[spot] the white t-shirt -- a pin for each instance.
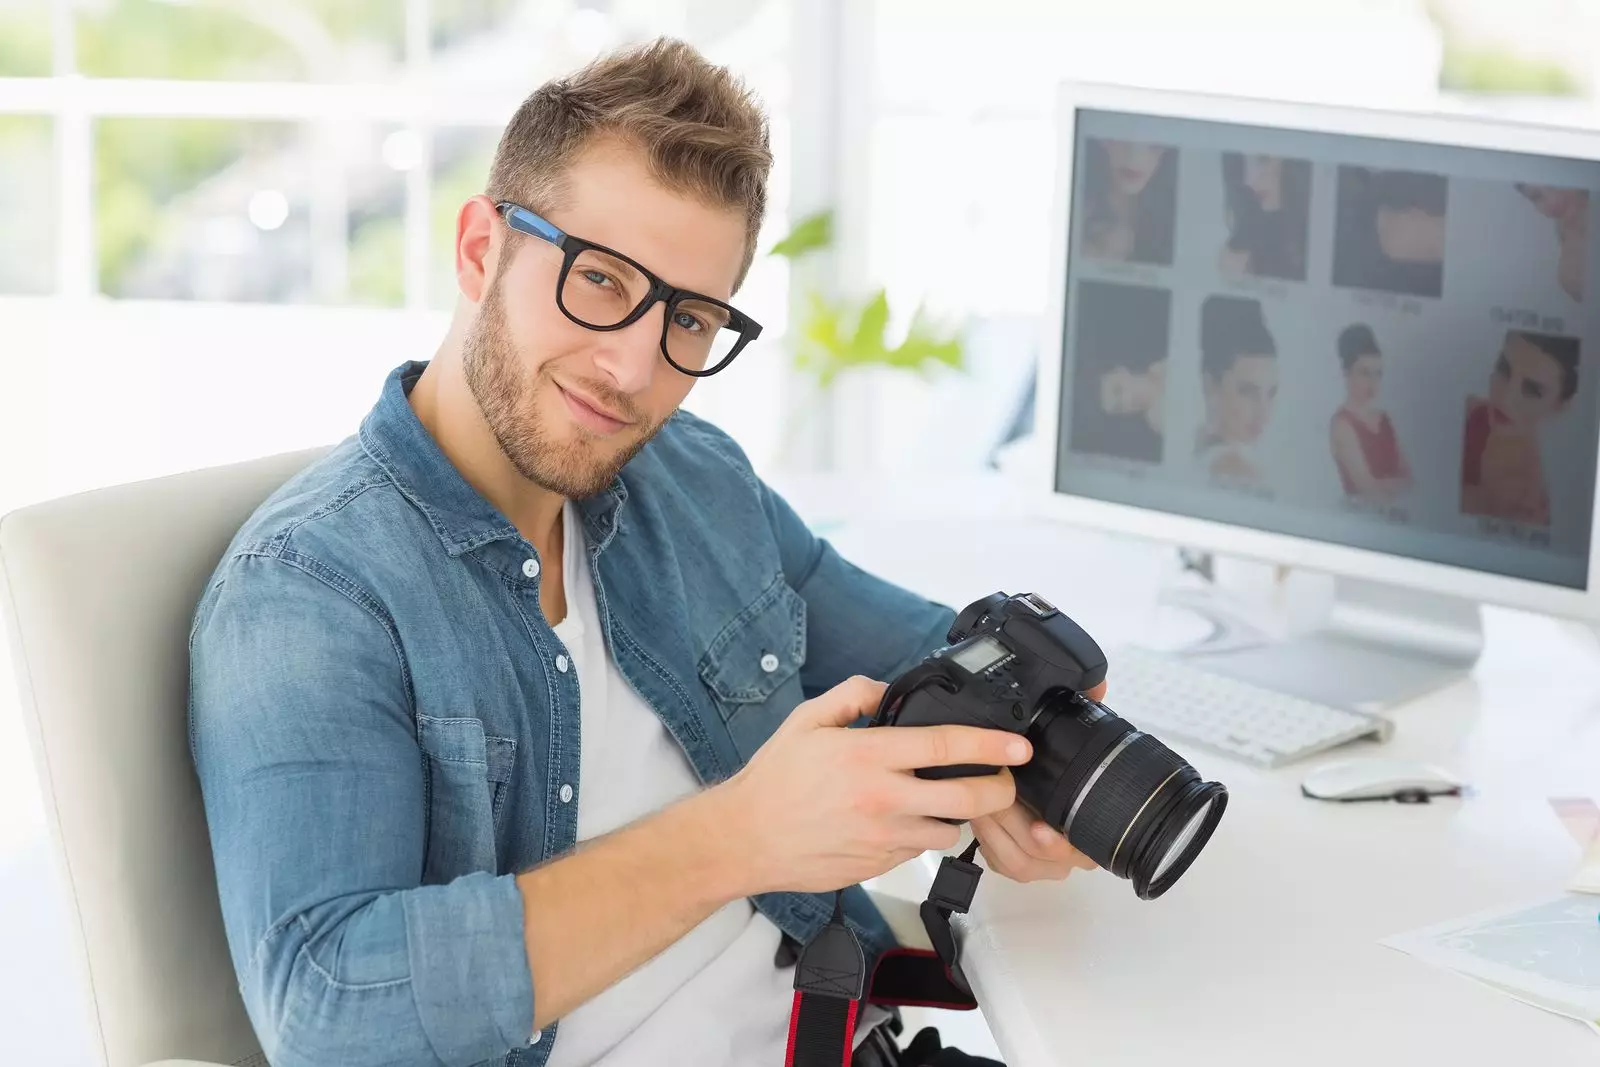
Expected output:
(714, 997)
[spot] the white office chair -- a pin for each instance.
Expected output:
(100, 590)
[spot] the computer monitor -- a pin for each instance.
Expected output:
(1355, 341)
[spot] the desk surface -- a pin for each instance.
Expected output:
(1267, 952)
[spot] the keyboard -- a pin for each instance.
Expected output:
(1186, 706)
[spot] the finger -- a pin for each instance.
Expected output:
(907, 748)
(1037, 837)
(1050, 845)
(1000, 852)
(916, 835)
(1047, 852)
(1097, 693)
(958, 798)
(842, 705)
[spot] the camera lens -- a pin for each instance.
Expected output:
(1123, 798)
(1180, 847)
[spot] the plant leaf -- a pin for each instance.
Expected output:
(866, 345)
(808, 235)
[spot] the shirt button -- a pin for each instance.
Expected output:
(566, 794)
(530, 568)
(769, 663)
(561, 664)
(537, 1034)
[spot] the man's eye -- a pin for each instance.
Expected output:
(685, 321)
(1532, 389)
(594, 277)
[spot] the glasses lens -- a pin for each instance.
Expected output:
(602, 290)
(699, 334)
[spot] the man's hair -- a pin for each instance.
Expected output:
(702, 130)
(1564, 350)
(1355, 341)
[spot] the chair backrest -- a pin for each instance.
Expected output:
(100, 591)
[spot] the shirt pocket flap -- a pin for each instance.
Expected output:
(761, 648)
(463, 740)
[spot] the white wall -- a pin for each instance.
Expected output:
(100, 392)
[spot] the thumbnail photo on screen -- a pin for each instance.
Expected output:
(1361, 434)
(1130, 201)
(1532, 382)
(1267, 208)
(1389, 231)
(1119, 371)
(1568, 210)
(1239, 382)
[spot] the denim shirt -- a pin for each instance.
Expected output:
(385, 734)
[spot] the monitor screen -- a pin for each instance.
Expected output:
(1377, 343)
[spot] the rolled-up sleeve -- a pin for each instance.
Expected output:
(305, 746)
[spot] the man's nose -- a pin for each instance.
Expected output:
(631, 356)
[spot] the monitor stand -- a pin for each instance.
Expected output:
(1342, 641)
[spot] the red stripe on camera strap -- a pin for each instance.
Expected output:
(830, 985)
(829, 980)
(822, 1031)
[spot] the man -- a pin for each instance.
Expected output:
(1534, 379)
(532, 604)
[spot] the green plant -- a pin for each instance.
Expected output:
(1476, 66)
(840, 334)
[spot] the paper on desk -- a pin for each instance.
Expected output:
(1546, 953)
(1581, 817)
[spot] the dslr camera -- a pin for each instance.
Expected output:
(1120, 796)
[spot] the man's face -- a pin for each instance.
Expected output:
(1525, 385)
(568, 405)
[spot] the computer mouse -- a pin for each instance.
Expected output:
(1380, 778)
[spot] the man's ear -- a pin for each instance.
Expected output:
(479, 246)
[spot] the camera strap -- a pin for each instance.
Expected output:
(830, 978)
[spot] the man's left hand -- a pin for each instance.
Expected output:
(1024, 848)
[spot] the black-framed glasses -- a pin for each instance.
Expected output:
(602, 289)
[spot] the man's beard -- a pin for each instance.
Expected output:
(505, 394)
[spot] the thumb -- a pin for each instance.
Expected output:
(840, 706)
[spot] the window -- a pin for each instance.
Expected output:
(25, 38)
(298, 152)
(28, 192)
(221, 184)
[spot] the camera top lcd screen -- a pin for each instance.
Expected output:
(979, 656)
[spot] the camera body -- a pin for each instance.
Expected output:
(1005, 655)
(1017, 663)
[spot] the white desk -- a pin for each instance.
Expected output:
(1266, 951)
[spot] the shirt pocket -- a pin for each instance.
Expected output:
(467, 772)
(752, 666)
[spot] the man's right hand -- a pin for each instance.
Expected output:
(821, 806)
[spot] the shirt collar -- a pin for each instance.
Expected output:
(398, 442)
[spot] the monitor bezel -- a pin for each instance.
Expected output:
(1444, 129)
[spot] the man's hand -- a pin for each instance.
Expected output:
(1023, 847)
(821, 806)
